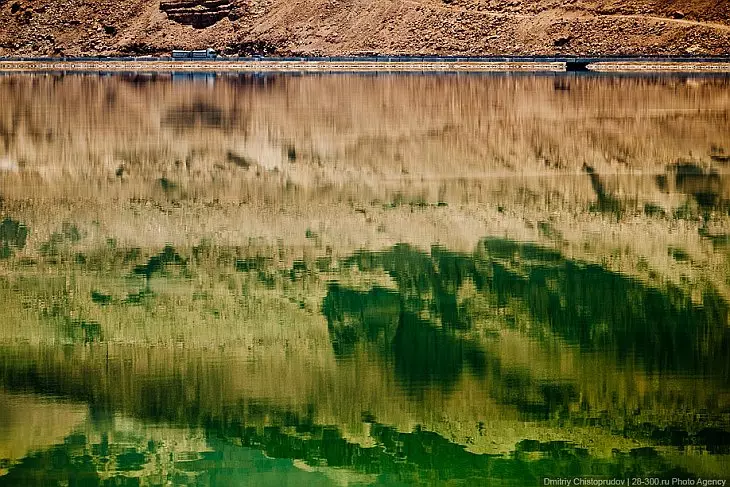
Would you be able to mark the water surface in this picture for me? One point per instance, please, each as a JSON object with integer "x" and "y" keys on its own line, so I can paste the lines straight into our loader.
{"x": 363, "y": 280}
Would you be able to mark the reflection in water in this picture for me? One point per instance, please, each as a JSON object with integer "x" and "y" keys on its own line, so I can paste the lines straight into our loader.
{"x": 335, "y": 280}
{"x": 425, "y": 326}
{"x": 411, "y": 458}
{"x": 705, "y": 186}
{"x": 13, "y": 234}
{"x": 583, "y": 304}
{"x": 449, "y": 317}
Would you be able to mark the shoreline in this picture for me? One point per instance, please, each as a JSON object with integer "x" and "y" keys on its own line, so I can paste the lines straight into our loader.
{"x": 553, "y": 65}
{"x": 279, "y": 66}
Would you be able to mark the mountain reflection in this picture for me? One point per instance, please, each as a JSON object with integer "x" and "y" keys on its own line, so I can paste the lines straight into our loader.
{"x": 584, "y": 304}
{"x": 221, "y": 280}
{"x": 422, "y": 352}
{"x": 513, "y": 331}
{"x": 414, "y": 458}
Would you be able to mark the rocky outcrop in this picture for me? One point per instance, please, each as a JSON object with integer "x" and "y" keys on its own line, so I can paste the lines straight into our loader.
{"x": 199, "y": 13}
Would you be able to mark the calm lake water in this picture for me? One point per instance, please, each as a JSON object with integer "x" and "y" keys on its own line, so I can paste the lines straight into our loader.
{"x": 363, "y": 280}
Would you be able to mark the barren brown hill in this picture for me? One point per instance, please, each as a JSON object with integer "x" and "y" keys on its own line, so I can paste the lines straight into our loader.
{"x": 330, "y": 27}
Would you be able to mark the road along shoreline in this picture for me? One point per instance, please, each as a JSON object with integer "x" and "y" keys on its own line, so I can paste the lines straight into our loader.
{"x": 664, "y": 67}
{"x": 364, "y": 65}
{"x": 282, "y": 66}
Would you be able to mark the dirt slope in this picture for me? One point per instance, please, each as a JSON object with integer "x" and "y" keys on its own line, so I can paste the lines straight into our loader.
{"x": 329, "y": 27}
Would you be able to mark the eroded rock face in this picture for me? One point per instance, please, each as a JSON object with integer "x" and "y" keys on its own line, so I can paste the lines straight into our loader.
{"x": 199, "y": 13}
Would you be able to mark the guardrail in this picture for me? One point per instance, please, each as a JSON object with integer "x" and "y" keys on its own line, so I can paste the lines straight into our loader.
{"x": 270, "y": 65}
{"x": 370, "y": 64}
{"x": 386, "y": 59}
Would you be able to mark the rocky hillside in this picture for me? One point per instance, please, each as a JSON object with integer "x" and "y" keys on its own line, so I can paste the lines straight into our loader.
{"x": 329, "y": 27}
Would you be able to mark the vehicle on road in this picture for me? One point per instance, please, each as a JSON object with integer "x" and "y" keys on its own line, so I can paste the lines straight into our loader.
{"x": 195, "y": 54}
